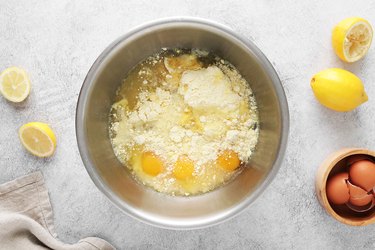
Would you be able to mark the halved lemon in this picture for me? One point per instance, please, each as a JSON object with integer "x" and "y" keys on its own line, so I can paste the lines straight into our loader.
{"x": 38, "y": 138}
{"x": 351, "y": 38}
{"x": 14, "y": 84}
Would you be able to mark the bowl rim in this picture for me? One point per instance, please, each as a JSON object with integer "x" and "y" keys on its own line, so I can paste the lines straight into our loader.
{"x": 144, "y": 216}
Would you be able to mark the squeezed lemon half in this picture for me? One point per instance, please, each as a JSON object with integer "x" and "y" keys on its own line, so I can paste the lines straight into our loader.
{"x": 351, "y": 38}
{"x": 14, "y": 84}
{"x": 338, "y": 89}
{"x": 38, "y": 138}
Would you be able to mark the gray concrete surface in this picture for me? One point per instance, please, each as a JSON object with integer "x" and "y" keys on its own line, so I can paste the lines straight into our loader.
{"x": 57, "y": 41}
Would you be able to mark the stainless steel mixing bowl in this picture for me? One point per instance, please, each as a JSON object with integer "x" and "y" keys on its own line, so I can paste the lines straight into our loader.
{"x": 116, "y": 182}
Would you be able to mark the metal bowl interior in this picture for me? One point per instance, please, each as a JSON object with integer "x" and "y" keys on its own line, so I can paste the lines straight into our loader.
{"x": 116, "y": 182}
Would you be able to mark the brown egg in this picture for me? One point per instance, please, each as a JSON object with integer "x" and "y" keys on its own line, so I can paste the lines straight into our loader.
{"x": 354, "y": 158}
{"x": 337, "y": 189}
{"x": 362, "y": 174}
{"x": 358, "y": 196}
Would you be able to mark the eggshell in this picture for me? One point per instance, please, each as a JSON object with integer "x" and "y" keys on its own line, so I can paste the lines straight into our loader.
{"x": 362, "y": 174}
{"x": 337, "y": 189}
{"x": 355, "y": 191}
{"x": 358, "y": 196}
{"x": 362, "y": 201}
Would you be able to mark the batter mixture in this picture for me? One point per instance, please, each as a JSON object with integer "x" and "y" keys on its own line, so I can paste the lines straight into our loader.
{"x": 184, "y": 122}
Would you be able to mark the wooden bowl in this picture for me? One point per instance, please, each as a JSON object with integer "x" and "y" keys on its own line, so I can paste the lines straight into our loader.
{"x": 333, "y": 164}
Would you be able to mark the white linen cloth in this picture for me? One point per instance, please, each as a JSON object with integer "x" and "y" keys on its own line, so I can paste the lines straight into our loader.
{"x": 26, "y": 219}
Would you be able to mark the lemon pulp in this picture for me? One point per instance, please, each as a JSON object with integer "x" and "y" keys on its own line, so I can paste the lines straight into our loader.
{"x": 351, "y": 38}
{"x": 14, "y": 84}
{"x": 38, "y": 138}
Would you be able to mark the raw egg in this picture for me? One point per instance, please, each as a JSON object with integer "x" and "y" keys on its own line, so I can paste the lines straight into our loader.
{"x": 228, "y": 160}
{"x": 152, "y": 164}
{"x": 183, "y": 168}
{"x": 337, "y": 189}
{"x": 362, "y": 174}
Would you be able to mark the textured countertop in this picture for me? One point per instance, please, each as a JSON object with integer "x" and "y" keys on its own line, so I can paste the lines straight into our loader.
{"x": 57, "y": 41}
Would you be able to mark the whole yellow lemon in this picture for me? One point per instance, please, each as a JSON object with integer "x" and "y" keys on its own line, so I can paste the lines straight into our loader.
{"x": 338, "y": 89}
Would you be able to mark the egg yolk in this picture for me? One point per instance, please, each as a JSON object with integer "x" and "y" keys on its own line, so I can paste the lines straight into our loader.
{"x": 152, "y": 164}
{"x": 183, "y": 168}
{"x": 228, "y": 160}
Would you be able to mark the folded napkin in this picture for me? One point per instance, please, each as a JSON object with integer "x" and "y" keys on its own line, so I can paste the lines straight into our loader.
{"x": 26, "y": 219}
